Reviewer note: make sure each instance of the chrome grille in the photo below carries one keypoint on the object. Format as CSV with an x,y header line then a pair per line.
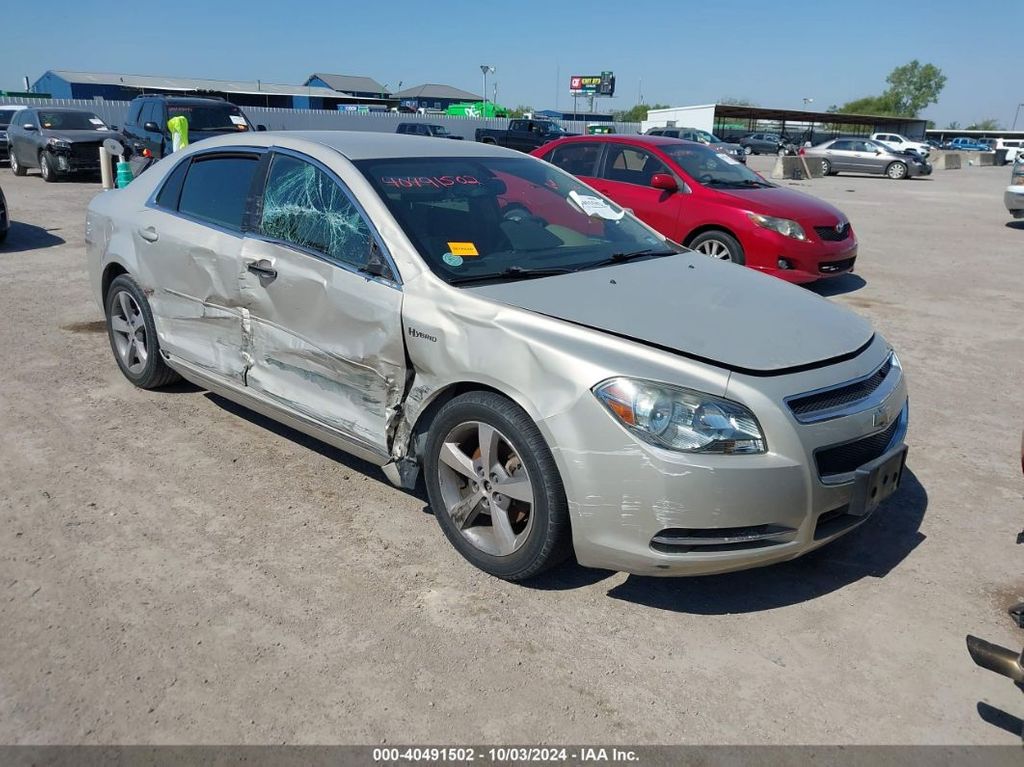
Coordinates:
x,y
829,399
833,234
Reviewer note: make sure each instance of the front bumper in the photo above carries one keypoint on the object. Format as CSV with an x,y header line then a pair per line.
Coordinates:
x,y
83,159
639,509
799,261
1013,197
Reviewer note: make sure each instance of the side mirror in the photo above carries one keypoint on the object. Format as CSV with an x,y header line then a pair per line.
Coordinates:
x,y
152,127
28,126
664,181
261,127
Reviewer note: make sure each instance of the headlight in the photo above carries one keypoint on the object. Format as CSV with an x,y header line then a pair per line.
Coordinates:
x,y
57,143
681,419
783,226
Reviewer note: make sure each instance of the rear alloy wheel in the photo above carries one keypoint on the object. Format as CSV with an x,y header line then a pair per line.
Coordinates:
x,y
133,336
896,170
16,167
494,487
719,245
826,168
47,167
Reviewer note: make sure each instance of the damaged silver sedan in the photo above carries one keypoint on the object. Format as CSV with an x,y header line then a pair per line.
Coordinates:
x,y
565,379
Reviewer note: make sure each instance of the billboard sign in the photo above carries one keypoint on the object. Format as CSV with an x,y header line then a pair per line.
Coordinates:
x,y
592,85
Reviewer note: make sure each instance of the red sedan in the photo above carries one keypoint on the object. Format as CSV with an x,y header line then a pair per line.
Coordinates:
x,y
712,203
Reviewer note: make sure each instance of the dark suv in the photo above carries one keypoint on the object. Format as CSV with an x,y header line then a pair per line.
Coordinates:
x,y
146,124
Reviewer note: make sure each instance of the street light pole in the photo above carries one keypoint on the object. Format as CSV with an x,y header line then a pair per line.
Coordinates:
x,y
486,69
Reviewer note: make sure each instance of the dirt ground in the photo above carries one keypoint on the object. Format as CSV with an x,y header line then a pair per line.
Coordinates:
x,y
175,569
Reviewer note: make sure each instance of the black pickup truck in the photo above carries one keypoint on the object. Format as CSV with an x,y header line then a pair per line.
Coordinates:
x,y
524,135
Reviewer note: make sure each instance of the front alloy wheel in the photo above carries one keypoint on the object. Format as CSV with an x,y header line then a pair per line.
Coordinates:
x,y
486,489
494,487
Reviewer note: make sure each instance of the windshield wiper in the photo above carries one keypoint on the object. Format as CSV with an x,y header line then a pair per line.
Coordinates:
x,y
511,274
620,258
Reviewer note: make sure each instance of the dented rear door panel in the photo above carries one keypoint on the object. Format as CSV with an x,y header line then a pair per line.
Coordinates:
x,y
196,298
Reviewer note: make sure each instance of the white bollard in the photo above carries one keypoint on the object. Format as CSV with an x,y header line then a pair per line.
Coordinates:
x,y
106,176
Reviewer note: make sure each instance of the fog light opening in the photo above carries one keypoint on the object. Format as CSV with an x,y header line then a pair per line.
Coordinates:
x,y
784,263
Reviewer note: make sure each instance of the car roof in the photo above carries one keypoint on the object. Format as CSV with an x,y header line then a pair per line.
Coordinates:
x,y
364,145
62,109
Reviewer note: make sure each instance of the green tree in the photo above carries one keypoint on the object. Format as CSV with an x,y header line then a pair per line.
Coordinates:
x,y
637,113
520,110
735,102
914,86
953,126
987,124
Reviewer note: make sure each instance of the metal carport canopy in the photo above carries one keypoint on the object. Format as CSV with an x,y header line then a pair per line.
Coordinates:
x,y
752,114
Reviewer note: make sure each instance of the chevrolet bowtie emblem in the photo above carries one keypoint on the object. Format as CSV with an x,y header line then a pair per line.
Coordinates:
x,y
881,417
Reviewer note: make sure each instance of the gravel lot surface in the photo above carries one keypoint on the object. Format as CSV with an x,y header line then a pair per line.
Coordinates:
x,y
175,569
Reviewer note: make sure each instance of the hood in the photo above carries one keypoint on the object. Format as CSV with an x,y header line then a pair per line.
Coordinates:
x,y
727,315
785,203
76,136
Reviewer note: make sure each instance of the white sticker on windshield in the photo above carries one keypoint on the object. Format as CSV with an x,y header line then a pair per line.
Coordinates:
x,y
728,159
237,119
594,206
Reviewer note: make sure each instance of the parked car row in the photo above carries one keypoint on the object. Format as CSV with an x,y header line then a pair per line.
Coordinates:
x,y
522,340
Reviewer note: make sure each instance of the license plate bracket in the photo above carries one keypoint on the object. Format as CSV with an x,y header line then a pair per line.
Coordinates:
x,y
876,481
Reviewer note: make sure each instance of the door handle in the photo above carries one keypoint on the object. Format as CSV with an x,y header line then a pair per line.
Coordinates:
x,y
262,268
149,234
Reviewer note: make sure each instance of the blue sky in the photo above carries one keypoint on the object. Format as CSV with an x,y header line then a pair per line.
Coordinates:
x,y
773,53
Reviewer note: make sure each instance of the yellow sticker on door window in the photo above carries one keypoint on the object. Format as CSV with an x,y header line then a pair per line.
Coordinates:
x,y
463,249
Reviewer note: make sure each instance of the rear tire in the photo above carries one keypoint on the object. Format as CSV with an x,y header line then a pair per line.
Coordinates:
x,y
16,167
132,335
719,245
514,536
47,167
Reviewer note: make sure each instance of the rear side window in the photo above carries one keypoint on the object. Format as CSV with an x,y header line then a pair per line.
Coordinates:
x,y
216,189
304,206
577,159
167,197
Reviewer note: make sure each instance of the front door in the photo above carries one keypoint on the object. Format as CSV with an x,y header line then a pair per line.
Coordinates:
x,y
189,242
325,336
625,176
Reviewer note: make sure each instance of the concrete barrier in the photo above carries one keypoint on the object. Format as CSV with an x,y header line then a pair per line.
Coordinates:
x,y
943,160
796,168
984,158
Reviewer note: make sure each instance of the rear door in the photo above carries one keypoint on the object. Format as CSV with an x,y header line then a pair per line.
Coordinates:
x,y
840,155
325,337
189,240
580,158
625,174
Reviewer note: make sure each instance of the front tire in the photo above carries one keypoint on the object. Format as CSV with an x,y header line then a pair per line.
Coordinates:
x,y
132,335
47,167
719,245
826,168
16,167
896,170
494,487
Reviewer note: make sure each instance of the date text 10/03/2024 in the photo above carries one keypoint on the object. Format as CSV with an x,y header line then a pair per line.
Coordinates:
x,y
593,754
